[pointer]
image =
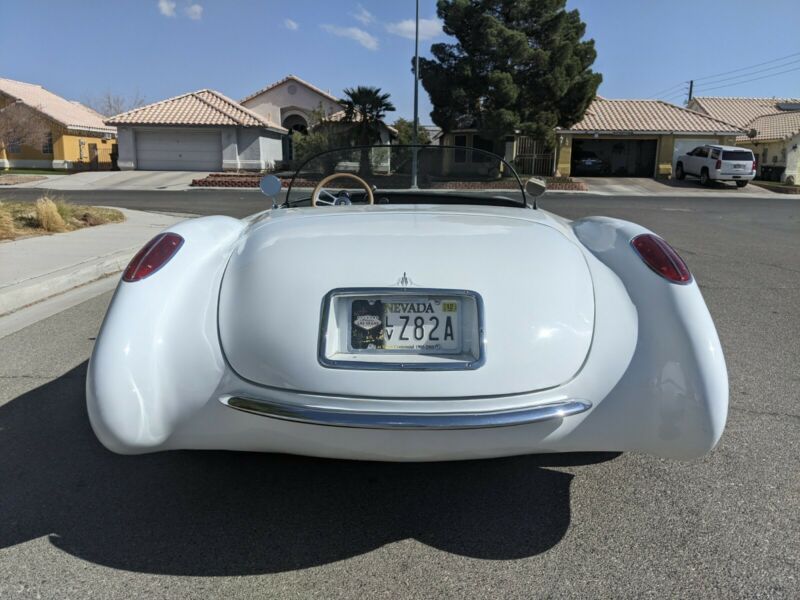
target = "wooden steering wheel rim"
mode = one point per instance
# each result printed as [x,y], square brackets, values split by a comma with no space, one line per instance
[332,176]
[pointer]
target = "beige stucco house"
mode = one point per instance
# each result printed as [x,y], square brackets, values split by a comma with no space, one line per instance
[640,138]
[772,131]
[291,102]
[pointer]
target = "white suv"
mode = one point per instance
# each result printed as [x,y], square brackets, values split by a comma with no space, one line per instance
[720,163]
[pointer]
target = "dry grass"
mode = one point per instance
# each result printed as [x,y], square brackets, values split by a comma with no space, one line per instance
[50,215]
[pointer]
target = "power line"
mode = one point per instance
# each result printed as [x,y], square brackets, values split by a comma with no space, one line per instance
[791,62]
[766,62]
[664,91]
[749,80]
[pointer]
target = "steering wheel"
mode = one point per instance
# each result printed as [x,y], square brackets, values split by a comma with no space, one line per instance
[319,189]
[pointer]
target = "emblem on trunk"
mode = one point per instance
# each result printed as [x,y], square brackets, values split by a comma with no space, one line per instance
[404,281]
[367,322]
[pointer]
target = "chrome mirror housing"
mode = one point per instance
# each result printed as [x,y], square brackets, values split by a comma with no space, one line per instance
[270,187]
[535,187]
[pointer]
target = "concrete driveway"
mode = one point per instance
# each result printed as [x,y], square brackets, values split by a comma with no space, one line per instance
[120,180]
[644,186]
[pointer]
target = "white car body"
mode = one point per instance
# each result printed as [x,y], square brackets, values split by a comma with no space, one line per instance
[718,163]
[582,346]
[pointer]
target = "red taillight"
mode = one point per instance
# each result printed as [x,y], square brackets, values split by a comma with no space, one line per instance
[661,257]
[719,164]
[755,164]
[155,254]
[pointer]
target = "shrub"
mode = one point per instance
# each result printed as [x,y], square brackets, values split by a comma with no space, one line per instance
[48,216]
[6,226]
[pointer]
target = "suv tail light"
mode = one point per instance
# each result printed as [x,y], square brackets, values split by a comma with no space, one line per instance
[154,255]
[661,258]
[719,165]
[755,164]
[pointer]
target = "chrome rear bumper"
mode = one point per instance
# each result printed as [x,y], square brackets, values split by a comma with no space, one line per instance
[385,420]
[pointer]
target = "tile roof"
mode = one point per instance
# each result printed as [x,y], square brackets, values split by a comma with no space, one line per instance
[203,107]
[296,79]
[780,126]
[652,116]
[69,114]
[740,111]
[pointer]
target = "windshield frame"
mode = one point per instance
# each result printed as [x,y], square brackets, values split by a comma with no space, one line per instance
[437,147]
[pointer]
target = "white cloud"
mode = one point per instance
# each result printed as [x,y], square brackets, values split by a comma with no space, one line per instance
[166,7]
[363,16]
[370,42]
[428,28]
[291,25]
[194,12]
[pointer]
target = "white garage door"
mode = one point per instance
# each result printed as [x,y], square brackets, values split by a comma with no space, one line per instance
[179,150]
[684,145]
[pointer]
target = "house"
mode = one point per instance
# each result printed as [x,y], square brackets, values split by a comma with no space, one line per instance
[291,102]
[198,131]
[772,130]
[77,137]
[639,138]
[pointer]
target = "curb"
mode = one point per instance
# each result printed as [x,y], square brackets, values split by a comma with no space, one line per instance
[41,287]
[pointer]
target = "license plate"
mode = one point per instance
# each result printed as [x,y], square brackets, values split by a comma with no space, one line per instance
[412,324]
[738,167]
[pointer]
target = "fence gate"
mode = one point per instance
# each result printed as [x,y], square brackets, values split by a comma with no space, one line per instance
[533,158]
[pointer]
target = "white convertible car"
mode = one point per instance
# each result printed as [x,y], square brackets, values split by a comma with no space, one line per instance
[377,316]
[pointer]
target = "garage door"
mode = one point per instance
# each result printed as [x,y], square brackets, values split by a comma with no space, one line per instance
[614,157]
[684,145]
[178,150]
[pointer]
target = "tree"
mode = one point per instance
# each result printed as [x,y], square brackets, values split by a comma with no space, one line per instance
[364,109]
[517,65]
[110,104]
[323,135]
[21,125]
[405,133]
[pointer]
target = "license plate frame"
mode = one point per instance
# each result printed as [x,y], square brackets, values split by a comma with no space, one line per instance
[336,348]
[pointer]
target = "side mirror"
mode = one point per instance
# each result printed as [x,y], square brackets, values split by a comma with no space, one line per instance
[535,187]
[270,187]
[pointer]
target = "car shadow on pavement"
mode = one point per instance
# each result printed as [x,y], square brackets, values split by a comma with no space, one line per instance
[226,513]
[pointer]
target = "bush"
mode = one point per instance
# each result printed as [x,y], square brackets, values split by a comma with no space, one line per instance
[48,216]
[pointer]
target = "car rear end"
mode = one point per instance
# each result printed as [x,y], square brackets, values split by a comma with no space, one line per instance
[734,164]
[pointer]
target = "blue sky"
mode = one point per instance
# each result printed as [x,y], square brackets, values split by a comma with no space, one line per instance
[161,48]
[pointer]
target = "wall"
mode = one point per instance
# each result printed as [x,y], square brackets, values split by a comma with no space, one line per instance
[66,152]
[259,149]
[279,102]
[776,150]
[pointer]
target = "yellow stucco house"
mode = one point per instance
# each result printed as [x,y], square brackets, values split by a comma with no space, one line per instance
[78,138]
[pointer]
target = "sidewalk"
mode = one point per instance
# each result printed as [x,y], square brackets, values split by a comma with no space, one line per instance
[689,188]
[36,268]
[118,180]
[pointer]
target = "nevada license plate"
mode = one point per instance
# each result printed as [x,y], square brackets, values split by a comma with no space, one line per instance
[411,324]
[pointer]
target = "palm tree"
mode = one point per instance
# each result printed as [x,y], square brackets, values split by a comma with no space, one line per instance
[365,107]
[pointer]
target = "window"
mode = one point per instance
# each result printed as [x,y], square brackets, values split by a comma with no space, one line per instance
[460,155]
[482,144]
[14,147]
[701,152]
[715,153]
[47,146]
[737,155]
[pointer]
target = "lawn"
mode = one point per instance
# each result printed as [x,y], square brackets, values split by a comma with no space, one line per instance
[50,215]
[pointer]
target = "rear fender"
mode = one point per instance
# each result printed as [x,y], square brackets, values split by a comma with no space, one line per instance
[674,395]
[157,357]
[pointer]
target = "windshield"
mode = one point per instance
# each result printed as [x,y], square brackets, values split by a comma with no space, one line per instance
[442,174]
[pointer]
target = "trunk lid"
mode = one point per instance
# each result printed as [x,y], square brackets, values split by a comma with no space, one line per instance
[535,286]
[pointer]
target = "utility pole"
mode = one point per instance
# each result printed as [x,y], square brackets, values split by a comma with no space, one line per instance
[414,137]
[691,89]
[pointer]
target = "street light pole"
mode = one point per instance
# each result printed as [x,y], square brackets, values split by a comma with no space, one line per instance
[415,138]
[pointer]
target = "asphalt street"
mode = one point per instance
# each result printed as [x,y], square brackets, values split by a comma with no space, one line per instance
[79,522]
